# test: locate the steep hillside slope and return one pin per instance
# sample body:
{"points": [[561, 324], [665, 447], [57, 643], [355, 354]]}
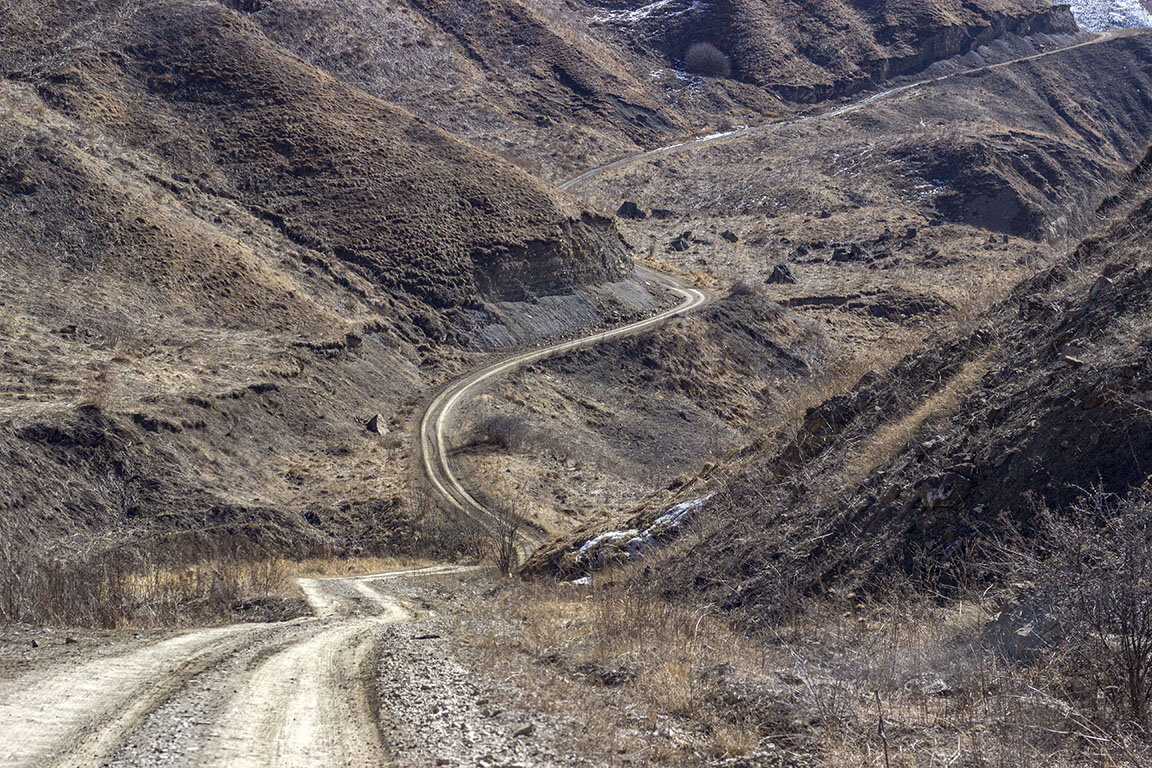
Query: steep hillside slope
{"points": [[809, 51], [913, 469], [559, 86], [219, 262]]}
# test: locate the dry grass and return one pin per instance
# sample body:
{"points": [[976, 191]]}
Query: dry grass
{"points": [[659, 670], [890, 439], [143, 588], [660, 683]]}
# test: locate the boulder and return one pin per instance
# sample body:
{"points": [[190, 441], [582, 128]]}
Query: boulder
{"points": [[629, 210], [663, 214], [730, 236], [376, 425], [782, 273]]}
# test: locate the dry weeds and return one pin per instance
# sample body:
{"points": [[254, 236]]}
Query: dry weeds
{"points": [[671, 684]]}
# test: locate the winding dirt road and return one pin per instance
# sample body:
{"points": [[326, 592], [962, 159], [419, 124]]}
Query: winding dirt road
{"points": [[437, 420], [299, 693]]}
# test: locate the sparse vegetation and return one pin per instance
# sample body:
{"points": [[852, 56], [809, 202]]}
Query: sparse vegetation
{"points": [[151, 586]]}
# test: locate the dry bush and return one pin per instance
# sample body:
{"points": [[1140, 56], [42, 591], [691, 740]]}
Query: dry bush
{"points": [[143, 587], [503, 431], [1092, 571], [506, 541], [707, 60], [743, 288]]}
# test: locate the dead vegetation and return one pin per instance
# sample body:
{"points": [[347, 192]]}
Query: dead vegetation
{"points": [[900, 677], [159, 585]]}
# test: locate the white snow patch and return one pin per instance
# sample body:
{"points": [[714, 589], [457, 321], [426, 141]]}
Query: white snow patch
{"points": [[634, 542], [1101, 15], [637, 15]]}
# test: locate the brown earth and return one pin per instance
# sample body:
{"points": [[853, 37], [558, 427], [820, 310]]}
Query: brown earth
{"points": [[917, 469]]}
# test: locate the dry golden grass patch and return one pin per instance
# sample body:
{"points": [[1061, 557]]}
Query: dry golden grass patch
{"points": [[672, 683], [654, 675], [890, 439]]}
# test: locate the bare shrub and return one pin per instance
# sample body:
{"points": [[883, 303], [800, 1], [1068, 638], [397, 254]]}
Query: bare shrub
{"points": [[1093, 576], [506, 542], [743, 288], [707, 60], [504, 432]]}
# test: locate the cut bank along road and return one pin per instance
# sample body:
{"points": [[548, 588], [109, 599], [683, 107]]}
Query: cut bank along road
{"points": [[835, 112], [438, 416]]}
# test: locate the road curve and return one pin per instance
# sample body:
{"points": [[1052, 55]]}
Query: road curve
{"points": [[836, 112], [438, 415], [292, 694]]}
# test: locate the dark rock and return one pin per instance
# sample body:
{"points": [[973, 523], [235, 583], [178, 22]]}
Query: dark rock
{"points": [[663, 214], [825, 214], [730, 236], [782, 273], [629, 210], [376, 425], [70, 640], [680, 244]]}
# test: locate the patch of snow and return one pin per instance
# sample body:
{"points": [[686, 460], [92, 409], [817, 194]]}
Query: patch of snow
{"points": [[634, 542], [583, 581], [663, 8], [1101, 15]]}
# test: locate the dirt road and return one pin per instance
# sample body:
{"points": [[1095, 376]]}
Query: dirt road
{"points": [[301, 693], [833, 112], [437, 420]]}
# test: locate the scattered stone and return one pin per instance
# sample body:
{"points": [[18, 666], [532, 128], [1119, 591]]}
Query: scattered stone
{"points": [[629, 210], [70, 640], [35, 643], [1101, 287], [928, 685], [730, 236], [376, 425], [526, 730], [825, 213], [681, 243], [782, 273], [663, 214]]}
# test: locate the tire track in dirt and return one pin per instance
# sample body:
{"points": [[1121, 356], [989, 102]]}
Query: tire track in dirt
{"points": [[299, 693]]}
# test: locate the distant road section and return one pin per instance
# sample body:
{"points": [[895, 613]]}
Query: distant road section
{"points": [[437, 421]]}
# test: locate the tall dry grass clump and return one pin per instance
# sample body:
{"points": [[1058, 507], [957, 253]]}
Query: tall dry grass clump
{"points": [[143, 587]]}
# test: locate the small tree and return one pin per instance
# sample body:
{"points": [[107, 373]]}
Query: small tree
{"points": [[707, 60], [1093, 573], [506, 541]]}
